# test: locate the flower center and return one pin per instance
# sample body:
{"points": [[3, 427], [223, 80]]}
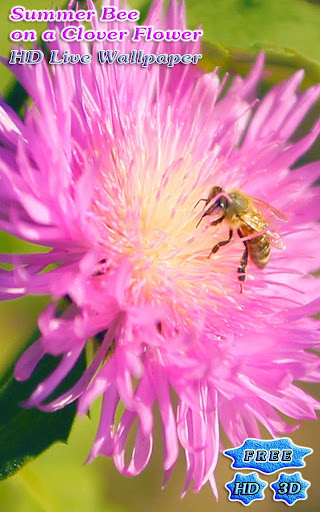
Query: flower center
{"points": [[151, 220]]}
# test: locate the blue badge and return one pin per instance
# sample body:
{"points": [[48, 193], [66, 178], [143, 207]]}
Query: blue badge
{"points": [[290, 488], [246, 488], [268, 456]]}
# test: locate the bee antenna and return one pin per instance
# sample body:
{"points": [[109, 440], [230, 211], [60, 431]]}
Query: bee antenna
{"points": [[195, 206]]}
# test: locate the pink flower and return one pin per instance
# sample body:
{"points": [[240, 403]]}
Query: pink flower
{"points": [[106, 169]]}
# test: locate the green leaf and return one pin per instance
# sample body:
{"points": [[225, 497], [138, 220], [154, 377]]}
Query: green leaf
{"points": [[25, 433]]}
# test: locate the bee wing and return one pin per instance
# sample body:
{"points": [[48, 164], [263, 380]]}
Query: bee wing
{"points": [[258, 223], [266, 208], [254, 220], [274, 237], [276, 240]]}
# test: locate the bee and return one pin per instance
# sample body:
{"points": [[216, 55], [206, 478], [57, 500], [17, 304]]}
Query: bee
{"points": [[248, 216]]}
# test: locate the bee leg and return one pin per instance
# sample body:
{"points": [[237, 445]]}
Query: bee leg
{"points": [[221, 244], [215, 222], [243, 262]]}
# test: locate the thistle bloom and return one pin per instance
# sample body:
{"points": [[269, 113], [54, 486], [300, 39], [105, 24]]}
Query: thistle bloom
{"points": [[105, 170]]}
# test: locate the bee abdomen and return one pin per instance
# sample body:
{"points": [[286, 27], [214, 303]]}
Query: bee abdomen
{"points": [[259, 250]]}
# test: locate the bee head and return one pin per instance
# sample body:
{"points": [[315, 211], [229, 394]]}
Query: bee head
{"points": [[218, 206]]}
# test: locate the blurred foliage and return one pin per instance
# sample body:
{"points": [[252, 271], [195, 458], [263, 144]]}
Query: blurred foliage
{"points": [[281, 63], [234, 32], [25, 433], [274, 23]]}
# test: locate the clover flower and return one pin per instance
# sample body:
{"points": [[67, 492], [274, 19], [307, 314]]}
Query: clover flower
{"points": [[105, 170]]}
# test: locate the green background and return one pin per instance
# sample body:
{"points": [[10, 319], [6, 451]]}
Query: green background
{"points": [[58, 480]]}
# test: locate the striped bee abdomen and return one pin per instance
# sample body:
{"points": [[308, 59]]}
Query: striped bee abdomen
{"points": [[259, 250]]}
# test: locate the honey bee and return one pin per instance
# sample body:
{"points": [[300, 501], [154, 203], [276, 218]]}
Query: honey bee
{"points": [[248, 216]]}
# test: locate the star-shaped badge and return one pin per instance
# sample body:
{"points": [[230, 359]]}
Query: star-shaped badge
{"points": [[290, 488], [246, 488], [268, 456]]}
